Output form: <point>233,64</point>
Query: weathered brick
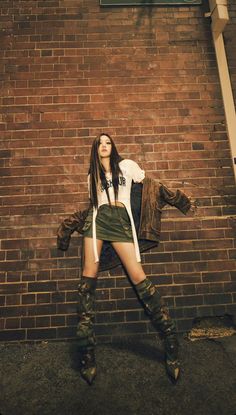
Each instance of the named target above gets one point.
<point>123,328</point>
<point>217,298</point>
<point>42,321</point>
<point>205,311</point>
<point>186,256</point>
<point>12,335</point>
<point>117,293</point>
<point>184,325</point>
<point>12,323</point>
<point>118,317</point>
<point>14,288</point>
<point>39,333</point>
<point>13,299</point>
<point>43,298</point>
<point>27,322</point>
<point>58,321</point>
<point>41,309</point>
<point>42,286</point>
<point>70,297</point>
<point>66,332</point>
<point>189,300</point>
<point>190,312</point>
<point>132,315</point>
<point>71,320</point>
<point>216,276</point>
<point>189,289</point>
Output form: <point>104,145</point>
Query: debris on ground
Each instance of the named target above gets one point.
<point>212,328</point>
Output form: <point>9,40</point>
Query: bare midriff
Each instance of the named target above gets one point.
<point>117,204</point>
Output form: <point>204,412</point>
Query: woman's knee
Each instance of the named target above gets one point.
<point>90,268</point>
<point>136,274</point>
<point>90,271</point>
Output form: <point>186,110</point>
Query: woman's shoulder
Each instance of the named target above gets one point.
<point>127,162</point>
<point>129,165</point>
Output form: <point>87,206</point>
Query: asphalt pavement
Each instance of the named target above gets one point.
<point>43,378</point>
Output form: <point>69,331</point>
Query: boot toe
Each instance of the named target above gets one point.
<point>173,369</point>
<point>88,368</point>
<point>89,374</point>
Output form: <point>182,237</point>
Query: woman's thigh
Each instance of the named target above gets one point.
<point>126,252</point>
<point>90,267</point>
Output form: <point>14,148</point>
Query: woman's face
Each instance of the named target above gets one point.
<point>105,147</point>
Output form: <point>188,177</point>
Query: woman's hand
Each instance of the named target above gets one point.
<point>193,207</point>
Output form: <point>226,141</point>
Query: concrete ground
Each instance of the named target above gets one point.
<point>43,379</point>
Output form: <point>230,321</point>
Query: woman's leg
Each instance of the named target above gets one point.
<point>153,304</point>
<point>86,311</point>
<point>126,252</point>
<point>90,267</point>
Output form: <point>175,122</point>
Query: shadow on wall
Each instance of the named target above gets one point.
<point>145,11</point>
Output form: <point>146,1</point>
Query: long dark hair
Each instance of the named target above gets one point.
<point>97,172</point>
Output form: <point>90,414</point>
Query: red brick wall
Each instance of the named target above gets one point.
<point>70,70</point>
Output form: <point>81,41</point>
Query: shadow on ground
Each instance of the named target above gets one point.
<point>43,379</point>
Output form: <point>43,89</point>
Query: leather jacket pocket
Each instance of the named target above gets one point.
<point>156,220</point>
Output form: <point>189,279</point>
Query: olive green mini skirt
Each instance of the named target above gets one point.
<point>112,224</point>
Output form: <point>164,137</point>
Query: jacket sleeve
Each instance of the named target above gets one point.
<point>71,224</point>
<point>175,198</point>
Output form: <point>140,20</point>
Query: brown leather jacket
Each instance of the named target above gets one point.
<point>147,201</point>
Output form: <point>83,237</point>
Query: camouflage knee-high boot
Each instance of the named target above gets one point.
<point>85,331</point>
<point>160,318</point>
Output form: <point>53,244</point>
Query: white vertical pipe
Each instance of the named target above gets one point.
<point>226,94</point>
<point>217,27</point>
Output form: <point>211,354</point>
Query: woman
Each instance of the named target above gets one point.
<point>110,219</point>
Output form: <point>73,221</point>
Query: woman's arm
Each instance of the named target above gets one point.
<point>178,199</point>
<point>73,223</point>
